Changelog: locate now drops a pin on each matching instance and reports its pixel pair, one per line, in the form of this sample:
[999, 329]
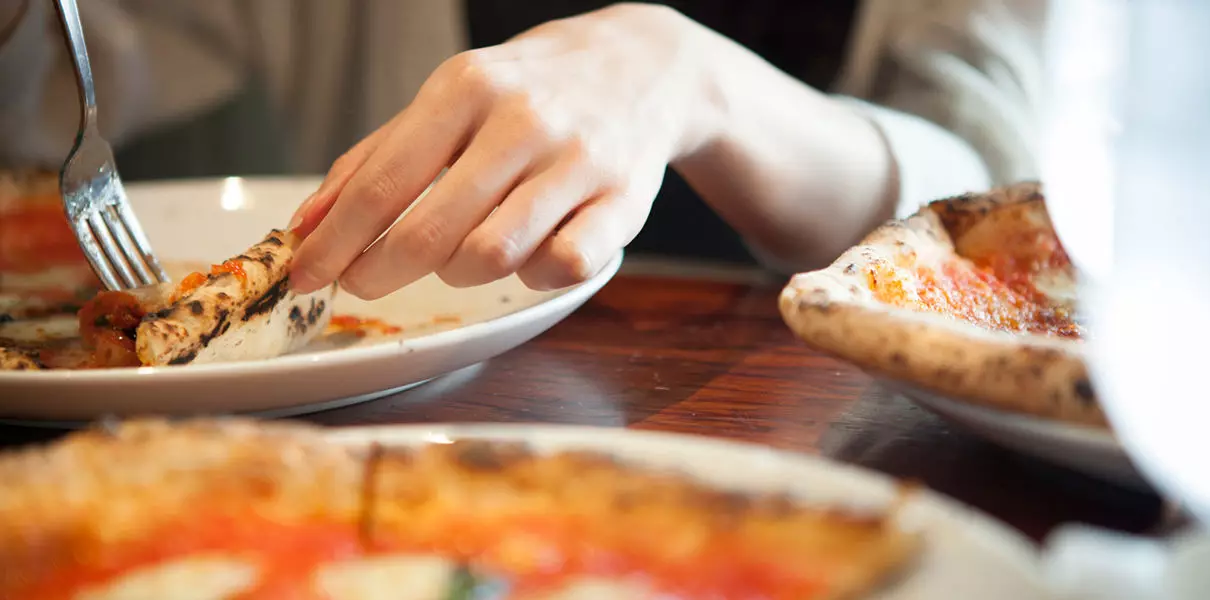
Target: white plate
[1088, 450]
[210, 220]
[966, 555]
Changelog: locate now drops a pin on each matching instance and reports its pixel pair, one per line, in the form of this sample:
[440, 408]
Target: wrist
[695, 105]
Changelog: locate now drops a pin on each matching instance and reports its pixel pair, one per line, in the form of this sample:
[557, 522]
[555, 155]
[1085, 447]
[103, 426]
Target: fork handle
[69, 14]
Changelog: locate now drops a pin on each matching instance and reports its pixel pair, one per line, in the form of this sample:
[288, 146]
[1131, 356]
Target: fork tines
[109, 233]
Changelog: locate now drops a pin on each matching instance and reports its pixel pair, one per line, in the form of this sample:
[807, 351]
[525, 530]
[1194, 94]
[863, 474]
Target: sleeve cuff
[933, 163]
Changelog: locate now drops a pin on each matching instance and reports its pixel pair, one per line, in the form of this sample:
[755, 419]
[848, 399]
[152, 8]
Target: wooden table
[712, 357]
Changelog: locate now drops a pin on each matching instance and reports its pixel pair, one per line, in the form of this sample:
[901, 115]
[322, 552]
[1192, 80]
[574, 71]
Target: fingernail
[301, 213]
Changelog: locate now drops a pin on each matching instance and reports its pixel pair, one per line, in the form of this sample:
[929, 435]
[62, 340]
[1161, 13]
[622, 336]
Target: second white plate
[1085, 449]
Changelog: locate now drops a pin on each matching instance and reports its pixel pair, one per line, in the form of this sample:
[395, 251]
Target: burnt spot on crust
[1084, 392]
[224, 296]
[898, 359]
[6, 318]
[273, 240]
[270, 299]
[300, 322]
[487, 456]
[850, 269]
[223, 324]
[317, 309]
[163, 313]
[369, 493]
[196, 307]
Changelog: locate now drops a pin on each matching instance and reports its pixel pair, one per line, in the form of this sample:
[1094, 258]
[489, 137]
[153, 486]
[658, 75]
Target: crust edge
[1019, 373]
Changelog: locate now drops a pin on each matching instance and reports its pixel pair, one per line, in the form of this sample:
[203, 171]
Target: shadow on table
[888, 433]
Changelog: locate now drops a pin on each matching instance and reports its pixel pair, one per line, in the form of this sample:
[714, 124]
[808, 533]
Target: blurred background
[263, 87]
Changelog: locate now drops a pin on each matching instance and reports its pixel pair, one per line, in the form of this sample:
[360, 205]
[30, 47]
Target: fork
[97, 209]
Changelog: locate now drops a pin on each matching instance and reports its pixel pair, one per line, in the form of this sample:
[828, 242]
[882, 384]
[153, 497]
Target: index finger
[406, 161]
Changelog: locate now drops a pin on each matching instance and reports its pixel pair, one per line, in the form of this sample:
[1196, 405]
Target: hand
[556, 143]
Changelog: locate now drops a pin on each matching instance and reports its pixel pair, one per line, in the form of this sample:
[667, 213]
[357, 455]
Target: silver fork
[95, 203]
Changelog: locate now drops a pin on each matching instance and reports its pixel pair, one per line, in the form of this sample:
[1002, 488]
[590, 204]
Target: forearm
[796, 173]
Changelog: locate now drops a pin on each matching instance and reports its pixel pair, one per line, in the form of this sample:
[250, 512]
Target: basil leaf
[467, 585]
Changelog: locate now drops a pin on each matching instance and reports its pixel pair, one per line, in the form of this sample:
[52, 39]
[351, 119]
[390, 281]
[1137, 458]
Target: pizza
[42, 269]
[241, 309]
[54, 313]
[972, 297]
[236, 509]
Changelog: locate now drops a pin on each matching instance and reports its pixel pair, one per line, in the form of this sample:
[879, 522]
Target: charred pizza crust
[835, 310]
[72, 506]
[246, 312]
[18, 359]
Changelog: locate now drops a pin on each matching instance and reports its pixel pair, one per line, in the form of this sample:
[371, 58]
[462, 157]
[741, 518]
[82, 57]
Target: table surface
[712, 357]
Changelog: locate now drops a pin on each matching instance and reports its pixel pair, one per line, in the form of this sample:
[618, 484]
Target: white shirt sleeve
[954, 86]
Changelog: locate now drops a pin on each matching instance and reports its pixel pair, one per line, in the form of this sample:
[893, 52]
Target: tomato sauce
[193, 281]
[285, 555]
[533, 553]
[37, 237]
[107, 326]
[232, 267]
[361, 326]
[1000, 296]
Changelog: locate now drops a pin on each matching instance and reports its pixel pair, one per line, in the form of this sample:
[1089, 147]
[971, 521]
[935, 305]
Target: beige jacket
[954, 84]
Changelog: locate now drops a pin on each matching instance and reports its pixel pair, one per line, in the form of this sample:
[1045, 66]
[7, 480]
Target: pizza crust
[835, 311]
[75, 504]
[231, 318]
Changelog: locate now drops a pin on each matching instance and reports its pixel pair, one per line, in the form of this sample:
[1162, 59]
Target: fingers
[316, 206]
[582, 247]
[511, 234]
[405, 162]
[425, 238]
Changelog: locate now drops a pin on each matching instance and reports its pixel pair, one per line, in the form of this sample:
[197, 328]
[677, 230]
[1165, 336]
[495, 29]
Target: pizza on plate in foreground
[233, 509]
[972, 297]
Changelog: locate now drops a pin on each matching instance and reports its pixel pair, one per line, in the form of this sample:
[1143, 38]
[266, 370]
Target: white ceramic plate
[1091, 451]
[966, 555]
[445, 329]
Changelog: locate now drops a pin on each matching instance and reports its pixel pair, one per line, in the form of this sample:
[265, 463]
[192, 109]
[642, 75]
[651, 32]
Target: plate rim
[1052, 428]
[560, 300]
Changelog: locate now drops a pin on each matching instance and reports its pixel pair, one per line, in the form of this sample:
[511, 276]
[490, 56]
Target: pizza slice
[43, 272]
[972, 297]
[214, 510]
[242, 309]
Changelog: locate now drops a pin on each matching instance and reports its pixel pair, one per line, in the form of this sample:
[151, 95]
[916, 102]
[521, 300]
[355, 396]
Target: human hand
[556, 144]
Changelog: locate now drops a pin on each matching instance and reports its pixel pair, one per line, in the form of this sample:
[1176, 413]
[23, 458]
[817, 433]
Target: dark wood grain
[714, 358]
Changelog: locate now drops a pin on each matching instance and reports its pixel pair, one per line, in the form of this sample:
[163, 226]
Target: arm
[935, 102]
[154, 63]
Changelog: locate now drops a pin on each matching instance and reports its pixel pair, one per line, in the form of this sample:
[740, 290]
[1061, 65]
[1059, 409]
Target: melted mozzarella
[193, 578]
[391, 577]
